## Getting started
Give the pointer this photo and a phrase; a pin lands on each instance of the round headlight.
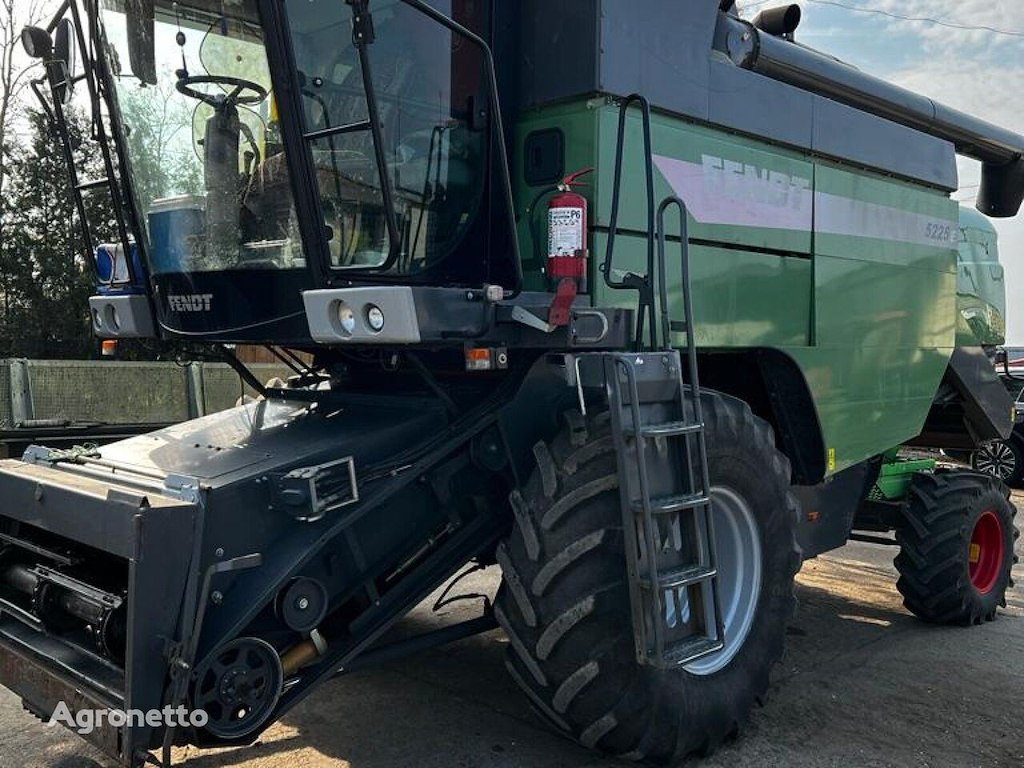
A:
(347, 318)
(375, 318)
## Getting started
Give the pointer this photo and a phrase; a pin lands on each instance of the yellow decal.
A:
(831, 459)
(975, 555)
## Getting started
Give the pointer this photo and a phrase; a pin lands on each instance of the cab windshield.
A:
(202, 138)
(431, 95)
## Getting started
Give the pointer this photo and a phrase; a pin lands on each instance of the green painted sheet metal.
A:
(981, 284)
(743, 298)
(852, 274)
(895, 475)
(885, 308)
(722, 177)
(580, 131)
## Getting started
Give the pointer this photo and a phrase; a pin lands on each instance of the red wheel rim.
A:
(986, 552)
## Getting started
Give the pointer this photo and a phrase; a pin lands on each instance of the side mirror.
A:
(37, 42)
(64, 57)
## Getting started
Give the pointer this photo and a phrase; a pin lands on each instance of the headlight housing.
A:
(374, 318)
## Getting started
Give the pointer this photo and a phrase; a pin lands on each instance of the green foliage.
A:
(46, 271)
(45, 278)
(159, 130)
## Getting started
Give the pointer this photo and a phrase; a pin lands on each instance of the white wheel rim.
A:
(740, 568)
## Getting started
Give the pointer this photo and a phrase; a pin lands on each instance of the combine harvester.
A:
(646, 353)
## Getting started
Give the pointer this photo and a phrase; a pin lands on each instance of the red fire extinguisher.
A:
(567, 233)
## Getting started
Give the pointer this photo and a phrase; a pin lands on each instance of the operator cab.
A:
(270, 154)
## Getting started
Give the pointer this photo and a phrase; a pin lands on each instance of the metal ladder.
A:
(658, 429)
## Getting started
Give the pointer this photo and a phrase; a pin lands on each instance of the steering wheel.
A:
(245, 92)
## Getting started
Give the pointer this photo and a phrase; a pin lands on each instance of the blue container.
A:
(112, 270)
(177, 226)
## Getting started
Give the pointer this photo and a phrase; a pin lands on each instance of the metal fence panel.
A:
(222, 386)
(107, 391)
(6, 421)
(117, 392)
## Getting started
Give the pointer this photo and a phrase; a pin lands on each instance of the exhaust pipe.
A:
(1000, 151)
(780, 22)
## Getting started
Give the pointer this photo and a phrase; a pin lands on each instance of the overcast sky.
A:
(975, 70)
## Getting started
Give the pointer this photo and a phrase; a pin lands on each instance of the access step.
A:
(668, 429)
(664, 505)
(678, 578)
(85, 186)
(691, 649)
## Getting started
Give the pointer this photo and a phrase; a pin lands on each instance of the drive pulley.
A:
(238, 687)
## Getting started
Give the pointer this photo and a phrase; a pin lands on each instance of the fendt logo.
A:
(742, 181)
(192, 302)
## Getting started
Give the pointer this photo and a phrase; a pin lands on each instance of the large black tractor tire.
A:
(564, 601)
(956, 547)
(1002, 459)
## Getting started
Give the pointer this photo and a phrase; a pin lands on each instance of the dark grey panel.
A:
(272, 435)
(828, 508)
(748, 102)
(660, 54)
(88, 510)
(842, 131)
(559, 49)
(988, 408)
(667, 50)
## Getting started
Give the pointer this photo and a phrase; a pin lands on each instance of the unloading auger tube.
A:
(771, 51)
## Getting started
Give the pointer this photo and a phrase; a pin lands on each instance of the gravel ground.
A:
(862, 684)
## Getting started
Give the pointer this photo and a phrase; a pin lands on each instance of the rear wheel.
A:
(1002, 459)
(956, 547)
(564, 602)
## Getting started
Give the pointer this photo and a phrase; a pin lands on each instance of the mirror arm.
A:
(57, 16)
(55, 116)
(41, 98)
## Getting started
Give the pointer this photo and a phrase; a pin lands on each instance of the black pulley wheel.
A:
(238, 687)
(302, 604)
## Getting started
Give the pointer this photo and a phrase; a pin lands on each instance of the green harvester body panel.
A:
(780, 240)
(981, 282)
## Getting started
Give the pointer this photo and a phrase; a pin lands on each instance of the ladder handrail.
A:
(684, 242)
(691, 355)
(643, 283)
(650, 546)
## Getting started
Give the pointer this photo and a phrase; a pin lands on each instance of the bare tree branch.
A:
(14, 72)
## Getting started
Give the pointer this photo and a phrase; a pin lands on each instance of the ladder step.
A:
(85, 186)
(663, 505)
(668, 429)
(691, 649)
(682, 577)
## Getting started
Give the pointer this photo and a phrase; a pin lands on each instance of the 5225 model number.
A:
(941, 232)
